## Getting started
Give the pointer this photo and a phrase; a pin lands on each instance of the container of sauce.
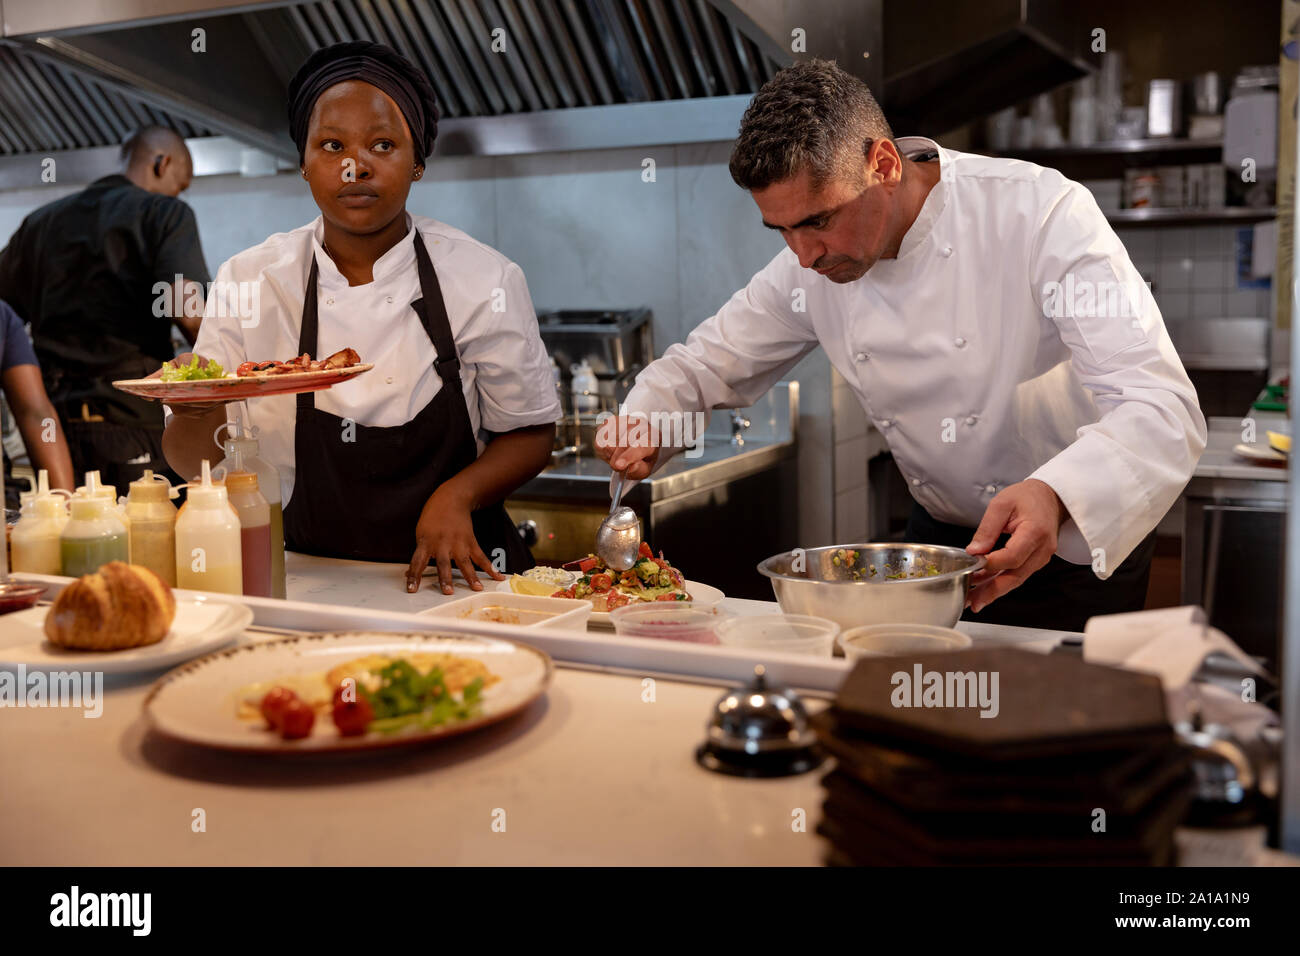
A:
(151, 525)
(34, 542)
(207, 539)
(241, 455)
(254, 531)
(94, 536)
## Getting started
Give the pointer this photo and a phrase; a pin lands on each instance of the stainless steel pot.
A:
(880, 583)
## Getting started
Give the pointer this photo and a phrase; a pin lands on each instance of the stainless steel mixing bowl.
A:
(823, 588)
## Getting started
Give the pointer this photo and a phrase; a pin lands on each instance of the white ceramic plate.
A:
(198, 702)
(703, 595)
(1261, 453)
(199, 627)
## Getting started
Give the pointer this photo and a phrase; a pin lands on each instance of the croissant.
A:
(119, 606)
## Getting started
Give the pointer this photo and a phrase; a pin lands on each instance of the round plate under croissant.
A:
(200, 626)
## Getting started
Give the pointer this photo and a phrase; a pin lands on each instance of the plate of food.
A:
(326, 693)
(650, 579)
(122, 619)
(209, 382)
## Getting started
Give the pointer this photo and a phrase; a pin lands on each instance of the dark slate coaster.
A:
(1124, 780)
(1047, 705)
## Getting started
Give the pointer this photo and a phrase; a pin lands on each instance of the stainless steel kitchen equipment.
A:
(616, 344)
(759, 731)
(885, 584)
(1164, 108)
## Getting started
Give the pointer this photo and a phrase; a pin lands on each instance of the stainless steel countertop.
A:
(1220, 462)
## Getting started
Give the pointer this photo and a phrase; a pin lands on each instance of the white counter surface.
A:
(593, 774)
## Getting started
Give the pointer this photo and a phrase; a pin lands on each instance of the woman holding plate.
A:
(410, 461)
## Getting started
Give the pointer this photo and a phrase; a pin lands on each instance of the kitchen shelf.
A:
(1190, 217)
(1109, 160)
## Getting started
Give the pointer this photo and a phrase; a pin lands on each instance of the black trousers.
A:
(121, 453)
(1060, 595)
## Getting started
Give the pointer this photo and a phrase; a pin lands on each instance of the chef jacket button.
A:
(990, 489)
(959, 342)
(886, 422)
(862, 356)
(389, 299)
(947, 252)
(972, 419)
(329, 301)
(916, 482)
(389, 380)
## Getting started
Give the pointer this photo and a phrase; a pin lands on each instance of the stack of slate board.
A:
(943, 786)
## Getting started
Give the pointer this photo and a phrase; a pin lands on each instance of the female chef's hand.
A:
(1032, 514)
(445, 533)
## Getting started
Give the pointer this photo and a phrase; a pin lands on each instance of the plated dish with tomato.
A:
(347, 691)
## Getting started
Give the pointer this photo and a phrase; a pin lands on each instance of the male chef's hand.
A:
(445, 534)
(635, 461)
(1032, 514)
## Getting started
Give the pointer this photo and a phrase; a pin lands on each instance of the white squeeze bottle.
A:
(35, 541)
(241, 455)
(584, 388)
(207, 539)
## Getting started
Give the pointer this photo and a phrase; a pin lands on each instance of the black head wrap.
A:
(380, 66)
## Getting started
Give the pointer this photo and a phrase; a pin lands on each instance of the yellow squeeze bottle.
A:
(151, 525)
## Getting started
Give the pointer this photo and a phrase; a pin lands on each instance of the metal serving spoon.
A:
(618, 539)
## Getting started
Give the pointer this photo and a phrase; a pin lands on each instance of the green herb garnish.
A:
(407, 698)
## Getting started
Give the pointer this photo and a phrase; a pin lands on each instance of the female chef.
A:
(410, 461)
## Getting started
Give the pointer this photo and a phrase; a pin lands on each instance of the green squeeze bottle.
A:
(93, 536)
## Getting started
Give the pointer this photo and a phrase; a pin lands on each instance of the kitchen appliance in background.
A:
(1206, 121)
(1250, 137)
(608, 349)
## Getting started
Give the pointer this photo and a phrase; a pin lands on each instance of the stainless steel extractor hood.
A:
(575, 73)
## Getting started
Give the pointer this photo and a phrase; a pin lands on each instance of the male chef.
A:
(992, 326)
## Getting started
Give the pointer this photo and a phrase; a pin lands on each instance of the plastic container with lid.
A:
(889, 640)
(36, 538)
(93, 536)
(783, 633)
(670, 620)
(254, 531)
(207, 539)
(94, 488)
(151, 525)
(241, 447)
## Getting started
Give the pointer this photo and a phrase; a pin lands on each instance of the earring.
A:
(419, 171)
(304, 173)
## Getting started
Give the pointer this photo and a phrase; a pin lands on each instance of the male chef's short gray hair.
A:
(811, 116)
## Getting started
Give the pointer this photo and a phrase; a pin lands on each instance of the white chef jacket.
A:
(973, 384)
(505, 371)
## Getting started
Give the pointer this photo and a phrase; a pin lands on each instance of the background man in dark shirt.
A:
(20, 378)
(83, 271)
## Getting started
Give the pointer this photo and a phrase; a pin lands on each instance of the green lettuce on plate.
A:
(192, 372)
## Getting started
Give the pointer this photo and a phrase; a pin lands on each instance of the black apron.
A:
(361, 498)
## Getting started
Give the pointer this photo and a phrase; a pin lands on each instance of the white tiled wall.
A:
(1193, 273)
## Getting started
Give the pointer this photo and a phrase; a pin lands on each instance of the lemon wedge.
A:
(1280, 442)
(522, 585)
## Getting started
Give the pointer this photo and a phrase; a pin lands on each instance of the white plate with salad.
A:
(650, 579)
(323, 693)
(211, 383)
